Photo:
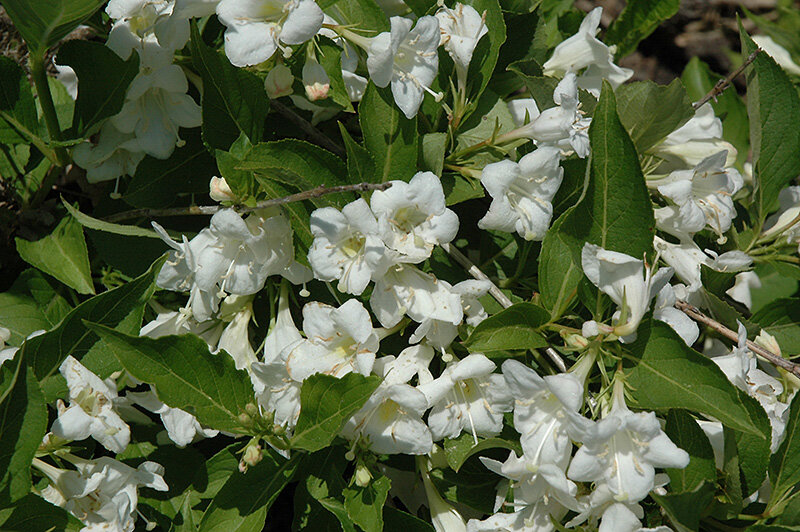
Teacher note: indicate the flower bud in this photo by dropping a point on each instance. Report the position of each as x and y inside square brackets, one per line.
[219, 190]
[252, 455]
[362, 476]
[279, 82]
[576, 340]
[768, 342]
[315, 80]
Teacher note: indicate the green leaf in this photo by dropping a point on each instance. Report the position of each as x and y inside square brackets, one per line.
[185, 375]
[773, 106]
[470, 486]
[234, 100]
[100, 95]
[637, 21]
[484, 58]
[778, 279]
[42, 23]
[458, 188]
[784, 465]
[325, 404]
[491, 118]
[16, 103]
[318, 499]
[684, 432]
[242, 503]
[365, 505]
[615, 212]
[62, 254]
[753, 454]
[513, 328]
[669, 374]
[685, 509]
[389, 136]
[781, 318]
[362, 14]
[360, 164]
[330, 57]
[46, 352]
[395, 519]
[698, 78]
[458, 450]
[31, 304]
[34, 514]
[650, 112]
[107, 227]
[433, 150]
[23, 423]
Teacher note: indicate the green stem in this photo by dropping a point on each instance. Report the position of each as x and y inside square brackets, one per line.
[39, 75]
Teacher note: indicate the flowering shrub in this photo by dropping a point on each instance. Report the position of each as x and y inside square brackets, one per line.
[374, 264]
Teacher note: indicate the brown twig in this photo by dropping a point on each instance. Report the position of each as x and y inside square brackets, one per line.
[723, 84]
[213, 209]
[767, 355]
[497, 294]
[316, 135]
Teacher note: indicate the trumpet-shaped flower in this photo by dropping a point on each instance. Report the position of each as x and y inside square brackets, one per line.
[413, 217]
[91, 410]
[405, 58]
[182, 427]
[113, 154]
[743, 283]
[784, 222]
[338, 341]
[235, 339]
[622, 451]
[584, 51]
[407, 290]
[101, 493]
[522, 193]
[461, 28]
[688, 145]
[523, 111]
[347, 246]
[257, 28]
[467, 397]
[141, 20]
[702, 198]
[625, 280]
[664, 310]
[440, 333]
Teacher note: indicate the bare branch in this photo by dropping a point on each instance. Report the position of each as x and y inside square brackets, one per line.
[723, 84]
[213, 209]
[497, 294]
[767, 355]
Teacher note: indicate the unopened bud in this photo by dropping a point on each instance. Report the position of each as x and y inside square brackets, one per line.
[252, 455]
[768, 342]
[251, 409]
[362, 476]
[316, 81]
[219, 190]
[576, 340]
[279, 82]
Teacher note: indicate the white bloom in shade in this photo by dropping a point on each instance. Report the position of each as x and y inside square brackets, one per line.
[522, 193]
[688, 145]
[67, 76]
[584, 50]
[279, 82]
[625, 280]
[440, 333]
[444, 517]
[319, 113]
[182, 427]
[91, 410]
[407, 290]
[101, 493]
[113, 155]
[623, 449]
[407, 59]
[257, 28]
[461, 28]
[347, 246]
[6, 353]
[620, 517]
[390, 422]
[467, 397]
[784, 222]
[523, 111]
[546, 410]
[353, 83]
[338, 341]
[743, 283]
[140, 20]
[219, 190]
[614, 515]
[235, 338]
[542, 493]
[413, 217]
[702, 197]
[275, 391]
[664, 310]
[156, 107]
[315, 80]
[777, 52]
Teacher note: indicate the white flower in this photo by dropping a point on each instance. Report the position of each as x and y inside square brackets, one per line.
[777, 52]
[156, 107]
[405, 58]
[353, 83]
[347, 246]
[407, 290]
[182, 427]
[113, 155]
[315, 80]
[413, 217]
[219, 190]
[584, 50]
[338, 341]
[467, 396]
[461, 28]
[622, 451]
[91, 411]
[703, 197]
[256, 28]
[444, 517]
[6, 353]
[625, 280]
[235, 338]
[440, 333]
[784, 222]
[68, 78]
[743, 283]
[523, 111]
[140, 20]
[688, 145]
[279, 82]
[664, 310]
[522, 193]
[102, 493]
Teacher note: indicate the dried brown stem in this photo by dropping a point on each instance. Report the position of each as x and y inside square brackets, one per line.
[213, 209]
[767, 355]
[723, 84]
